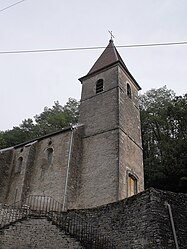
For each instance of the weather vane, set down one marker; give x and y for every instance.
(111, 35)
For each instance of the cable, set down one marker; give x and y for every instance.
(93, 48)
(154, 44)
(10, 6)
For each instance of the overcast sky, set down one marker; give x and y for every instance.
(29, 82)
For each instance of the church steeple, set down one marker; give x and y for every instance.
(108, 58)
(112, 163)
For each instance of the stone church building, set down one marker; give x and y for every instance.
(99, 161)
(83, 186)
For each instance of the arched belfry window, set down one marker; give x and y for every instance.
(132, 185)
(19, 165)
(99, 86)
(129, 94)
(49, 155)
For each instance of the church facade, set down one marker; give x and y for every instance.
(96, 162)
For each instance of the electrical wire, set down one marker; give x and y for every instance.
(92, 48)
(12, 5)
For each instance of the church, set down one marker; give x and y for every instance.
(96, 162)
(83, 186)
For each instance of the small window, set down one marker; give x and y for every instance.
(49, 155)
(129, 94)
(50, 142)
(19, 165)
(132, 185)
(99, 86)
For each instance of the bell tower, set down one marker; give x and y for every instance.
(112, 162)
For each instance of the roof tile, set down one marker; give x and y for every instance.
(109, 56)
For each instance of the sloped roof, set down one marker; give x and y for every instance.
(110, 56)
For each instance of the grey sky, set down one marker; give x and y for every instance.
(29, 82)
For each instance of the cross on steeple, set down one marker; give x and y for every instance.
(111, 35)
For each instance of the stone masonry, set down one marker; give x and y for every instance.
(36, 234)
(142, 221)
(36, 175)
(94, 163)
(138, 222)
(112, 148)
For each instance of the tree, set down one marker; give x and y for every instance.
(50, 120)
(13, 137)
(164, 133)
(71, 109)
(57, 117)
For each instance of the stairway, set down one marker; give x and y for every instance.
(73, 225)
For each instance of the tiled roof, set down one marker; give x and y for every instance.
(109, 56)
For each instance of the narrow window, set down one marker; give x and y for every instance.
(99, 86)
(129, 91)
(19, 165)
(49, 155)
(132, 185)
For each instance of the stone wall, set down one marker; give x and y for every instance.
(129, 114)
(99, 170)
(130, 162)
(17, 175)
(112, 146)
(142, 221)
(5, 169)
(139, 222)
(36, 234)
(48, 177)
(99, 112)
(74, 174)
(130, 144)
(29, 170)
(36, 174)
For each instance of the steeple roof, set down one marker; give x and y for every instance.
(109, 57)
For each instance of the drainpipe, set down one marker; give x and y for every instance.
(172, 225)
(67, 172)
(15, 197)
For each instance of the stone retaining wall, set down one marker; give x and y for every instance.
(142, 221)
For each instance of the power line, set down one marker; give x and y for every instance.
(12, 5)
(92, 48)
(154, 44)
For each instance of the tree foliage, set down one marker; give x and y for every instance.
(50, 120)
(164, 133)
